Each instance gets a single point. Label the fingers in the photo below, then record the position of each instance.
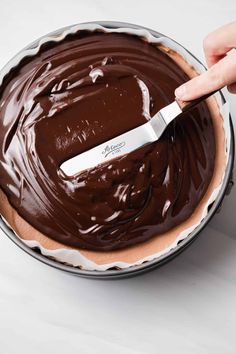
(221, 74)
(219, 42)
(222, 67)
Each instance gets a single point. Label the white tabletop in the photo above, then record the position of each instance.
(187, 306)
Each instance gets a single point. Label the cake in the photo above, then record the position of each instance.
(77, 93)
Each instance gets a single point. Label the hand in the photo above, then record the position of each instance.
(221, 61)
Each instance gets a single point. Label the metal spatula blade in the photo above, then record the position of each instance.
(129, 141)
(124, 143)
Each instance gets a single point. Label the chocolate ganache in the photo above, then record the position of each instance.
(80, 92)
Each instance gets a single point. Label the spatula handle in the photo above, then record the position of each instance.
(186, 105)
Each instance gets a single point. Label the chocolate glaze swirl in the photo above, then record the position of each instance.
(76, 94)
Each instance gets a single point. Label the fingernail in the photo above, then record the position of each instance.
(180, 92)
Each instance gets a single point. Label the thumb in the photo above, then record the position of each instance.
(221, 74)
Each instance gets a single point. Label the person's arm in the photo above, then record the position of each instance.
(221, 61)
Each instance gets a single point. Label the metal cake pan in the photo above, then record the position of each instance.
(149, 265)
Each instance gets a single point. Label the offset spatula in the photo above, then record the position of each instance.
(129, 141)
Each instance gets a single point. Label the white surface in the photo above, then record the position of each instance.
(187, 306)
